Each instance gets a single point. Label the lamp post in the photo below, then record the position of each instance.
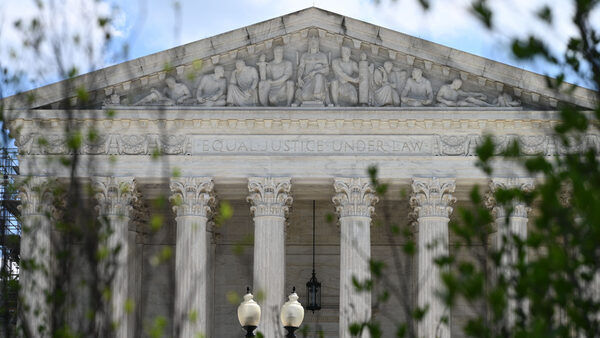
(249, 314)
(313, 286)
(292, 314)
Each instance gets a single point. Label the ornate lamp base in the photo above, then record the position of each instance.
(290, 330)
(250, 330)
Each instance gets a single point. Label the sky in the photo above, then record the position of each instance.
(149, 26)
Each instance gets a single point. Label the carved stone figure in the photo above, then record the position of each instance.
(364, 80)
(313, 69)
(343, 91)
(384, 91)
(242, 86)
(175, 93)
(275, 88)
(398, 77)
(450, 95)
(212, 89)
(417, 91)
(113, 99)
(505, 100)
(262, 67)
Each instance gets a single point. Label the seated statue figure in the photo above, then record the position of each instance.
(384, 90)
(505, 100)
(275, 87)
(343, 91)
(417, 91)
(242, 86)
(450, 95)
(175, 93)
(212, 89)
(313, 69)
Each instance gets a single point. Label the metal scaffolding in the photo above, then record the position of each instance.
(10, 233)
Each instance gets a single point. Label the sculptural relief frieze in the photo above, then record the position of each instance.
(305, 74)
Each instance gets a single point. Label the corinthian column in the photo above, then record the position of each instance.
(36, 249)
(193, 200)
(354, 203)
(270, 200)
(114, 196)
(506, 231)
(431, 200)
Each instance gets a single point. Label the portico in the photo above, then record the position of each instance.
(270, 154)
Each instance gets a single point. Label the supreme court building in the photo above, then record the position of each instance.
(270, 117)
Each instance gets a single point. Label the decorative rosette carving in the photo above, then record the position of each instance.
(193, 196)
(354, 197)
(432, 197)
(269, 196)
(114, 195)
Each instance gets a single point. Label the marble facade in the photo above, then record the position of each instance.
(271, 117)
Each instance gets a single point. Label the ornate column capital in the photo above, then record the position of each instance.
(114, 195)
(269, 196)
(193, 196)
(36, 195)
(519, 208)
(432, 197)
(354, 196)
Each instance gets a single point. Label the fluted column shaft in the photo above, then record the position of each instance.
(270, 200)
(36, 249)
(114, 196)
(193, 202)
(515, 227)
(431, 200)
(354, 200)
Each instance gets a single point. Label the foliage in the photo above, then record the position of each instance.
(60, 48)
(552, 286)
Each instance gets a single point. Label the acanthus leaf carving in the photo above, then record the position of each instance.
(269, 196)
(519, 209)
(37, 195)
(193, 196)
(354, 196)
(114, 195)
(432, 197)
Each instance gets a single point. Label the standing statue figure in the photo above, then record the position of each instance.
(505, 100)
(313, 69)
(343, 91)
(242, 86)
(175, 93)
(364, 80)
(450, 95)
(384, 90)
(212, 89)
(275, 88)
(398, 77)
(417, 91)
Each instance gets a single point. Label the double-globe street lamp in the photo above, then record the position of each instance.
(292, 314)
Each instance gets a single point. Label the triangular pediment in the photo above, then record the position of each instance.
(143, 81)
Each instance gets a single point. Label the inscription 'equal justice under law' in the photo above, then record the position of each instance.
(419, 144)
